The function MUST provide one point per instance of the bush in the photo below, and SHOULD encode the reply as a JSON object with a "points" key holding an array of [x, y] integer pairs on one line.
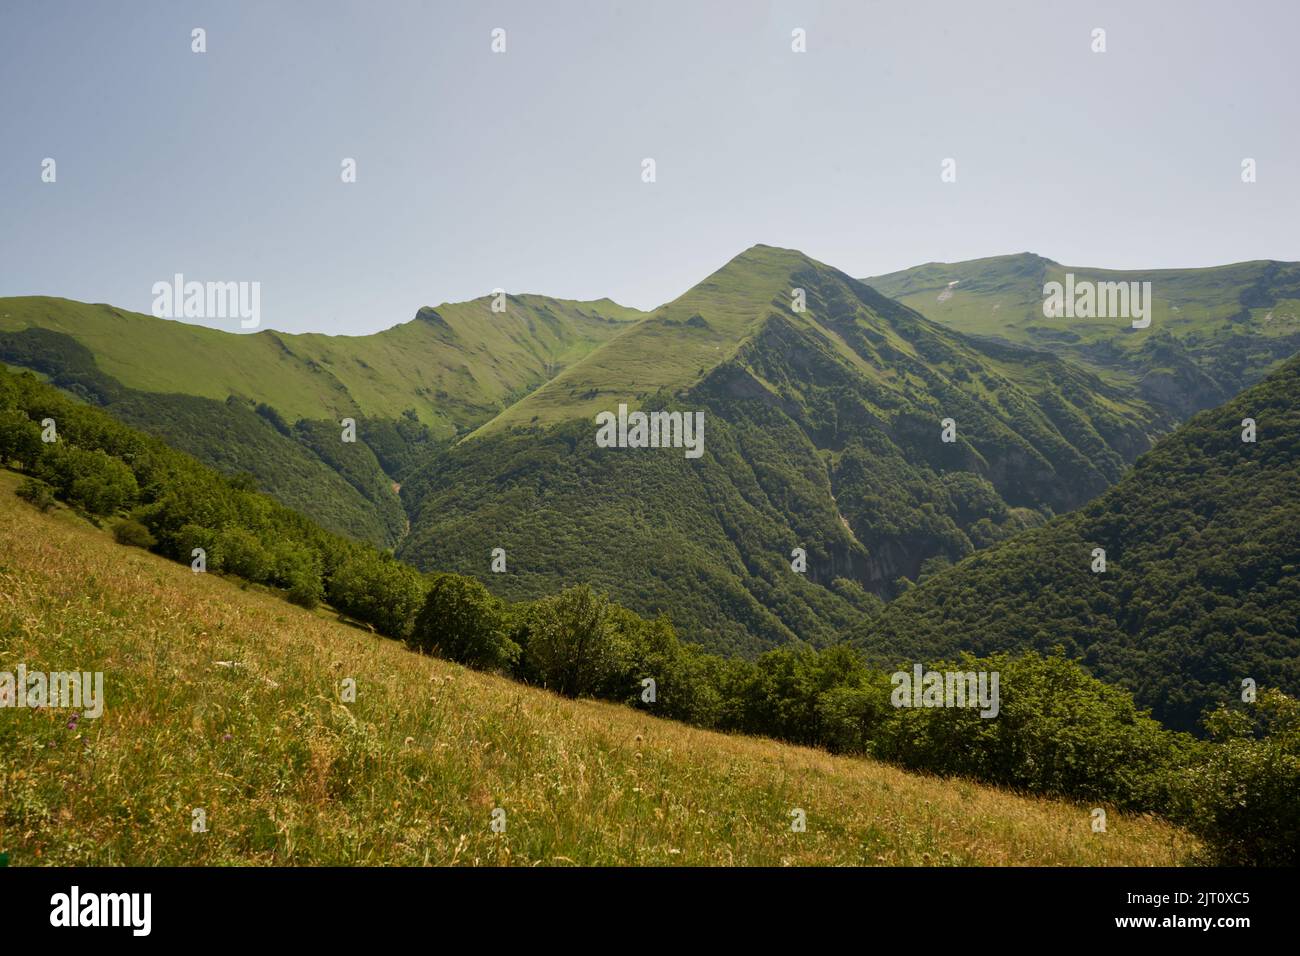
{"points": [[306, 589], [1241, 797], [132, 533], [240, 552], [378, 590], [36, 492], [463, 622], [570, 645], [20, 439], [190, 537]]}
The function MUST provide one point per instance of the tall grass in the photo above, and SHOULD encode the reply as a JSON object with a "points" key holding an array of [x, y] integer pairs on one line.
{"points": [[226, 699]]}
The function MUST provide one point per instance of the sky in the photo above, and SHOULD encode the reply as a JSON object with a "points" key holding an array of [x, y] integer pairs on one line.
{"points": [[523, 170]]}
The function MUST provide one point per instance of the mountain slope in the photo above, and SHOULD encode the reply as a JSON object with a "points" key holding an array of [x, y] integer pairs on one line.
{"points": [[1213, 331], [1202, 582], [823, 431], [270, 404], [226, 700], [454, 365]]}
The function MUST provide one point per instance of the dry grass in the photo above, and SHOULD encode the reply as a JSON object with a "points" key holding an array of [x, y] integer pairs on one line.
{"points": [[411, 772]]}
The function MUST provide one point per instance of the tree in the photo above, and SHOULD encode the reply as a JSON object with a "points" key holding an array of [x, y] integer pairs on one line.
{"points": [[570, 646], [20, 439], [378, 590], [91, 480], [463, 622], [1241, 797], [305, 588], [240, 552]]}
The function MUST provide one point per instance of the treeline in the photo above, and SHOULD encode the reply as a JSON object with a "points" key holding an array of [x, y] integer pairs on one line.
{"points": [[1059, 732], [168, 501]]}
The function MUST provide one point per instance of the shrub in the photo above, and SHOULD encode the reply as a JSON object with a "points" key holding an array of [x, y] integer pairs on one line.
{"points": [[132, 533], [1058, 731], [240, 552], [378, 590], [190, 537], [20, 439], [36, 492], [1241, 796], [570, 643], [93, 481], [463, 622], [306, 589]]}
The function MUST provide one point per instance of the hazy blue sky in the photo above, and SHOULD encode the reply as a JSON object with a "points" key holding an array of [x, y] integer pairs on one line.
{"points": [[523, 170]]}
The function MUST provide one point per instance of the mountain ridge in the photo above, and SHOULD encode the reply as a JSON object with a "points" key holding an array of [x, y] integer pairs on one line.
{"points": [[823, 432], [1214, 331]]}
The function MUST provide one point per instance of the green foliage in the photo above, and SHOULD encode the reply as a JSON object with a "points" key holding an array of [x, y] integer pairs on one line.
{"points": [[307, 467], [1202, 585], [306, 588], [92, 480], [1058, 731], [1241, 796], [240, 552], [248, 445], [569, 644], [36, 492], [20, 439], [178, 505], [377, 589], [132, 533], [463, 622], [822, 432]]}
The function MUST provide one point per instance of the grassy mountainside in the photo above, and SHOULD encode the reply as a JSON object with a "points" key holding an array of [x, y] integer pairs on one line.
{"points": [[1202, 581], [823, 431], [226, 699], [344, 487], [1213, 332], [455, 365], [268, 404]]}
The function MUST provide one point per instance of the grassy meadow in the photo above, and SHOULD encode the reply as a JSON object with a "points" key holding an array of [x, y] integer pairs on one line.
{"points": [[228, 699]]}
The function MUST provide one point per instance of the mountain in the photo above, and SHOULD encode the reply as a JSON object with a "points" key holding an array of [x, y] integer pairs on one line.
{"points": [[1059, 732], [822, 431], [1213, 331], [825, 406], [270, 404], [1202, 582], [455, 365]]}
